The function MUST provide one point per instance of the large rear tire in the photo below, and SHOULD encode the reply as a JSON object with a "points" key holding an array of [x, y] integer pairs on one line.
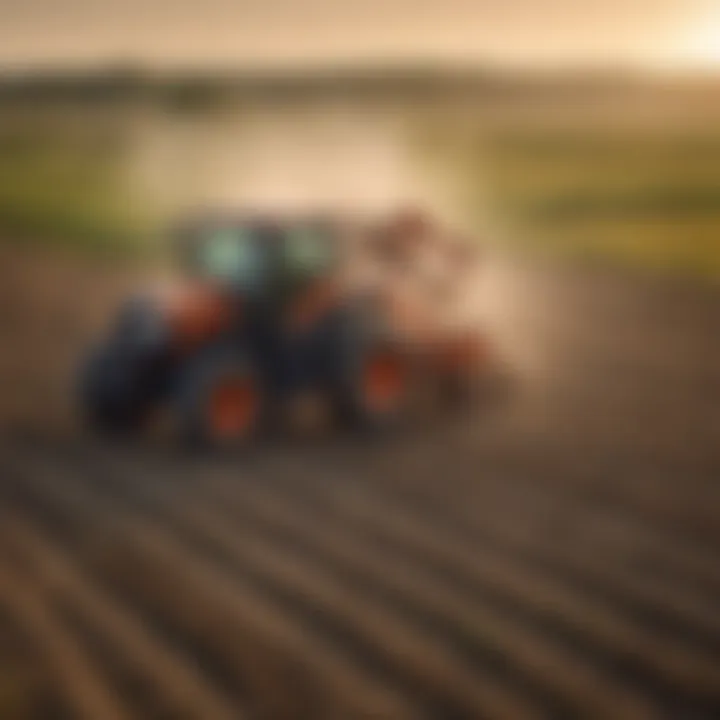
{"points": [[222, 402], [123, 378], [375, 374], [111, 394]]}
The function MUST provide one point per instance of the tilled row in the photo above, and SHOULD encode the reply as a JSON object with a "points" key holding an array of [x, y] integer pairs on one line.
{"points": [[352, 585]]}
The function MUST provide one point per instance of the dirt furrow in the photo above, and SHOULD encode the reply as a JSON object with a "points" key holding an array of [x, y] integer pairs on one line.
{"points": [[407, 652], [87, 692], [548, 531], [537, 658], [177, 685], [674, 662], [224, 617]]}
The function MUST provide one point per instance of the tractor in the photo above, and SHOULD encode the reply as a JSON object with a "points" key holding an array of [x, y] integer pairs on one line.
{"points": [[271, 308]]}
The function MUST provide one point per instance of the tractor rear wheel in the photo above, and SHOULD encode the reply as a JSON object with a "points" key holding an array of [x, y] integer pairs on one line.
{"points": [[375, 373], [379, 391], [222, 402], [112, 395]]}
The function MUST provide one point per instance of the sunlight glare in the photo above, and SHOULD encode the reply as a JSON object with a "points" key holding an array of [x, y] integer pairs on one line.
{"points": [[704, 45]]}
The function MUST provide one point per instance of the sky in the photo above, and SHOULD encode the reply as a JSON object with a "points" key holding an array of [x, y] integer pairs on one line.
{"points": [[282, 33]]}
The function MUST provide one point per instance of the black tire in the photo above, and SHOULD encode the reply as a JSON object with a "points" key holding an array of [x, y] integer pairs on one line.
{"points": [[112, 398], [360, 334], [122, 378], [196, 427]]}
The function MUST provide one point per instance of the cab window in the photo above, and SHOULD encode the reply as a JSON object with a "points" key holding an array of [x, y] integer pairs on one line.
{"points": [[307, 251], [232, 255]]}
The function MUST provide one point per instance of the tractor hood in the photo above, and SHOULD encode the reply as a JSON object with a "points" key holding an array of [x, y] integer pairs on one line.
{"points": [[189, 314]]}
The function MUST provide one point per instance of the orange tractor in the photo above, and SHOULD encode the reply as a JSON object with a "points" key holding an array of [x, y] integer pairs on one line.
{"points": [[273, 308]]}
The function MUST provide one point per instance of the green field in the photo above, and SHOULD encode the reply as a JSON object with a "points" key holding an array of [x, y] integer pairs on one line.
{"points": [[646, 195], [645, 199], [64, 182]]}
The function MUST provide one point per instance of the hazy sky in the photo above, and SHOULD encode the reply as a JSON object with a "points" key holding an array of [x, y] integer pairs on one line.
{"points": [[645, 32]]}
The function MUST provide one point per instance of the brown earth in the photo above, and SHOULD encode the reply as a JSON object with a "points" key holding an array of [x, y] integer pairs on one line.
{"points": [[558, 557]]}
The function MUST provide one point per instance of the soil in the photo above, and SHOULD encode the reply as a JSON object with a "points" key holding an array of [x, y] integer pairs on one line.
{"points": [[555, 557]]}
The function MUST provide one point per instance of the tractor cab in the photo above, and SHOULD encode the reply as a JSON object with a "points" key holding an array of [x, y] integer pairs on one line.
{"points": [[264, 262]]}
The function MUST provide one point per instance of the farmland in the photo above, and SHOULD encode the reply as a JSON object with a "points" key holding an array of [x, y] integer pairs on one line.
{"points": [[555, 557], [624, 173]]}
